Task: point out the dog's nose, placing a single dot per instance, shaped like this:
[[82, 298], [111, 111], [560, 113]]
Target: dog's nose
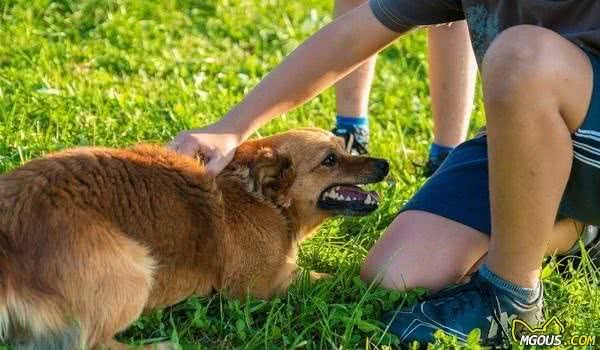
[[383, 166]]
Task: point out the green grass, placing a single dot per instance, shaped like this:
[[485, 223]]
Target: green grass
[[117, 72]]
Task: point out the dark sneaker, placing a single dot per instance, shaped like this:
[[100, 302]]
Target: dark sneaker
[[593, 250], [433, 163], [591, 240], [457, 310], [356, 139]]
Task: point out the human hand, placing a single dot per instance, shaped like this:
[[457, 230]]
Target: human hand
[[216, 145]]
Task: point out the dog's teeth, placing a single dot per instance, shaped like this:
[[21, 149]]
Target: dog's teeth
[[348, 199], [368, 200]]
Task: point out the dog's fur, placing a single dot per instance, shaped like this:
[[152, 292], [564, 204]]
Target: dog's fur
[[90, 238]]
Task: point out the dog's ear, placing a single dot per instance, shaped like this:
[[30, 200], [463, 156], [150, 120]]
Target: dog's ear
[[271, 174], [263, 170]]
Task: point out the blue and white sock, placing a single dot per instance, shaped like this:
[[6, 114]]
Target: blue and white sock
[[360, 123], [518, 293], [357, 121], [436, 150]]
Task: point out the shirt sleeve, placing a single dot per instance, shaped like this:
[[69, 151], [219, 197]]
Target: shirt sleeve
[[401, 15]]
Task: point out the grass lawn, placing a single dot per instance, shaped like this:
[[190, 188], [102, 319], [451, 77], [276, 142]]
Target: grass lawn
[[117, 72]]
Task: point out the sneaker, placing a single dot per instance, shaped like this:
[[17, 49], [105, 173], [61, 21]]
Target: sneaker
[[591, 240], [457, 310], [433, 163], [355, 139], [593, 250]]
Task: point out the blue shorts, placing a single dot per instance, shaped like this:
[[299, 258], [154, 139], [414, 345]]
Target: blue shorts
[[459, 188]]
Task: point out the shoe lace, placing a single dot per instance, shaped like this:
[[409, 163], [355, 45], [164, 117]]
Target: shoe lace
[[349, 135], [502, 339], [457, 294]]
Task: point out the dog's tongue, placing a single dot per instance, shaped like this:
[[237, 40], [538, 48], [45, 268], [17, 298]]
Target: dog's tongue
[[354, 193], [349, 193]]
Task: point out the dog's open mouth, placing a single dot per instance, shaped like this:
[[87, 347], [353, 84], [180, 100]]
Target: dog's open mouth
[[348, 200]]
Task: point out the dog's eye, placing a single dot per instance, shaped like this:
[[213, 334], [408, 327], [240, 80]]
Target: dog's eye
[[330, 160]]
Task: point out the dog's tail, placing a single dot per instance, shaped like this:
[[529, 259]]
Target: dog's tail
[[68, 338], [30, 319], [30, 322]]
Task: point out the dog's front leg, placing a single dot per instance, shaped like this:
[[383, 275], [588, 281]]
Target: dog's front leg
[[282, 280], [264, 285], [270, 284], [316, 276], [292, 272]]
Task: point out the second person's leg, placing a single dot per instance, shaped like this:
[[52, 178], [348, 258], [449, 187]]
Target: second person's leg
[[352, 95], [452, 77]]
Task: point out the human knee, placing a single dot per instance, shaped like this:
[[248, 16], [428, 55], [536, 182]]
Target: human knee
[[386, 272], [380, 268], [386, 276], [370, 270], [518, 60], [379, 274]]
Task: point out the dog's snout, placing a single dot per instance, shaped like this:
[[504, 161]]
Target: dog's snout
[[382, 166]]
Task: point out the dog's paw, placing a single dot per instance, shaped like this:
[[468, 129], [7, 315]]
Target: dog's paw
[[164, 346], [317, 276]]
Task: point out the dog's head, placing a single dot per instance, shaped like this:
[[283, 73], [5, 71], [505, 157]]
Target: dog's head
[[309, 171]]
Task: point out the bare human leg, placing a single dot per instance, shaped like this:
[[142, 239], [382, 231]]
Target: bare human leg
[[352, 92], [537, 88], [452, 76], [421, 249]]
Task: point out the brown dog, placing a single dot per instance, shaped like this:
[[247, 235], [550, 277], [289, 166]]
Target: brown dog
[[89, 238]]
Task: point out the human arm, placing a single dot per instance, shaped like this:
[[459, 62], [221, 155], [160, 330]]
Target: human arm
[[319, 62], [326, 57]]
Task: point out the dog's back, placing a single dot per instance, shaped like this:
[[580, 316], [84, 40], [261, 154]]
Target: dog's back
[[89, 216]]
